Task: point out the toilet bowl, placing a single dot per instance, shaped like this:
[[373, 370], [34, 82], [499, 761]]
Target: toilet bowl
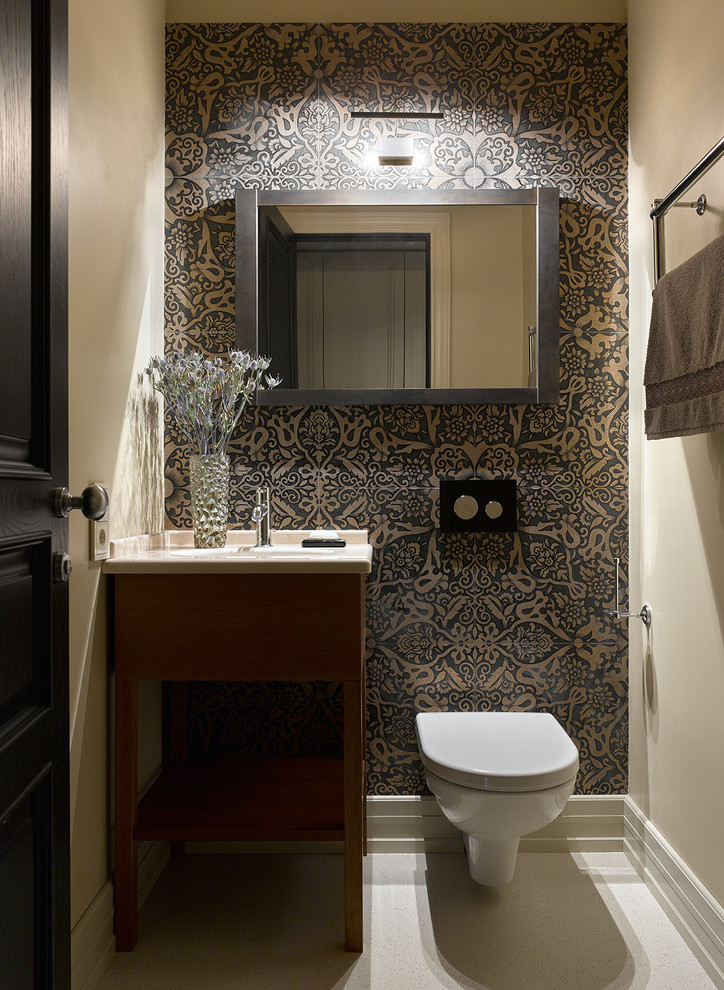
[[497, 776]]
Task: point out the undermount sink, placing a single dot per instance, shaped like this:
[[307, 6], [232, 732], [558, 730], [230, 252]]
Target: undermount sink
[[292, 551], [287, 551]]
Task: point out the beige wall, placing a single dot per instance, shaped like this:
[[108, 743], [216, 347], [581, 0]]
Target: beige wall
[[677, 521], [383, 12], [488, 319], [115, 284]]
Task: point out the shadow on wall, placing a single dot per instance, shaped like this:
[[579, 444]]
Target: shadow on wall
[[651, 687], [138, 492], [550, 928]]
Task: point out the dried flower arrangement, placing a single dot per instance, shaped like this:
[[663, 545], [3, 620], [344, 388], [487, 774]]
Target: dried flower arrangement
[[207, 395]]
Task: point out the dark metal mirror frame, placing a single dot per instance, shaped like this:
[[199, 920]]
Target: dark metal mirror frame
[[247, 291]]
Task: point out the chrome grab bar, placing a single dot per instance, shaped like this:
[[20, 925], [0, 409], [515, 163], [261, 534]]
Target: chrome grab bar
[[618, 613]]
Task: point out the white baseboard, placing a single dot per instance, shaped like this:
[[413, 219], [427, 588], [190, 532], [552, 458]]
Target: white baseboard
[[695, 913], [92, 942], [413, 824], [416, 824]]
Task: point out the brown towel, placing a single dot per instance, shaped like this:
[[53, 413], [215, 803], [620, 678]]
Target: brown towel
[[684, 373]]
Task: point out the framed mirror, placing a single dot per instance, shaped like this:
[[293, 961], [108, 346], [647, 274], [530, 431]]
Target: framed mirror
[[402, 296]]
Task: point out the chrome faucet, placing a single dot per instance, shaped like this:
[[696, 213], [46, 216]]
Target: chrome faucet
[[261, 516]]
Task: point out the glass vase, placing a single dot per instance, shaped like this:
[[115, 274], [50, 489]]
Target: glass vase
[[209, 484]]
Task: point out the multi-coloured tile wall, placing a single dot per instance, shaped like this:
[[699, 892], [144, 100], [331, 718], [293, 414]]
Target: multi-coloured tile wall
[[471, 622]]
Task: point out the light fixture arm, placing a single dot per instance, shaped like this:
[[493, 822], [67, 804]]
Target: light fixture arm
[[396, 114]]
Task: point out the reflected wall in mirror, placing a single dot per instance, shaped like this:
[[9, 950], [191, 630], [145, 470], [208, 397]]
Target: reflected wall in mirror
[[401, 297]]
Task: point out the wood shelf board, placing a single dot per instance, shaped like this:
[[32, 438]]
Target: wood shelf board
[[245, 798]]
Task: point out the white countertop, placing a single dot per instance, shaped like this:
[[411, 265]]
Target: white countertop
[[173, 552]]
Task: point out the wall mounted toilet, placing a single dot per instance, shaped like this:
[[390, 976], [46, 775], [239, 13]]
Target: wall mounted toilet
[[497, 776]]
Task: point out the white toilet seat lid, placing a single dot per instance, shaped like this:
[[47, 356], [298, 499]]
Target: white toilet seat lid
[[497, 751]]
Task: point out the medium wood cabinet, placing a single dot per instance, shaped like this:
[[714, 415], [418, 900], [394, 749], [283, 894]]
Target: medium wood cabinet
[[186, 626]]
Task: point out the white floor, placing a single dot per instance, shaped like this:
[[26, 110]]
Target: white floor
[[567, 922]]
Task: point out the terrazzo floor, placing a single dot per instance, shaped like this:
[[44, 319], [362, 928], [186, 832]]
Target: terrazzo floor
[[274, 922]]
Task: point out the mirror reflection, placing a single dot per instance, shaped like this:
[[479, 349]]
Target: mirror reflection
[[428, 297], [401, 296]]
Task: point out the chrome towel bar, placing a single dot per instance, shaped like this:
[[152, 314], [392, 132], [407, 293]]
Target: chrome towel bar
[[660, 207]]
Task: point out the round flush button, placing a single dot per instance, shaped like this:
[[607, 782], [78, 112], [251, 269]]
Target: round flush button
[[466, 507], [493, 510]]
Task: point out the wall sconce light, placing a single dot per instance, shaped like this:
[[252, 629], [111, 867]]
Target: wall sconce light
[[396, 150]]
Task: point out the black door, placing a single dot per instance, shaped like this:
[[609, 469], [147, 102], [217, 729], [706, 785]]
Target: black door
[[278, 295], [34, 798]]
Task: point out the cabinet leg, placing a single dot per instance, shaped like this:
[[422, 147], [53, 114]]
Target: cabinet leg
[[125, 891], [364, 813], [353, 817]]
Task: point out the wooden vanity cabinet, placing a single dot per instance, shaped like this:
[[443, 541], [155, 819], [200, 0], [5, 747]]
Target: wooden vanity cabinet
[[180, 627]]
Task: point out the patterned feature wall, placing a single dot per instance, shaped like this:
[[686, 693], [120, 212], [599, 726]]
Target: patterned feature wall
[[461, 621]]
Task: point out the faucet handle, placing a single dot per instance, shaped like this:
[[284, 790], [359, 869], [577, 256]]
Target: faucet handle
[[261, 516], [261, 508]]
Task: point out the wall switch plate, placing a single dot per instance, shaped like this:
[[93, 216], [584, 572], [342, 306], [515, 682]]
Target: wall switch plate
[[478, 506], [100, 532]]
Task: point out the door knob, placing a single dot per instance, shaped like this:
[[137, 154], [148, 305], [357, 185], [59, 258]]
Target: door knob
[[93, 502]]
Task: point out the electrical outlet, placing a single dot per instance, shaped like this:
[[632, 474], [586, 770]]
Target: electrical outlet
[[100, 532], [100, 539]]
